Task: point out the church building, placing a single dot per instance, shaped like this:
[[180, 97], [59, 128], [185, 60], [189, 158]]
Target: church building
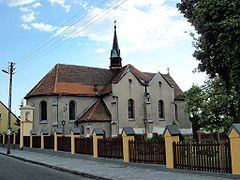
[[72, 96]]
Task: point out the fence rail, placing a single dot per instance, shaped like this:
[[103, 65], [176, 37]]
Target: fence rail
[[84, 145], [64, 143], [110, 148], [213, 157], [36, 141], [152, 152]]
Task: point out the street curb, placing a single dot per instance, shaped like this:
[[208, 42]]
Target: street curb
[[58, 168]]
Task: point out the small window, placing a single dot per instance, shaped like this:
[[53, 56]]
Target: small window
[[161, 109], [0, 116], [82, 130], [43, 111], [129, 81], [131, 108], [27, 116], [160, 84], [72, 110]]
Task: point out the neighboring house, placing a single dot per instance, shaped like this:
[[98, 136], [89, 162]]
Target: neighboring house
[[88, 97], [4, 119]]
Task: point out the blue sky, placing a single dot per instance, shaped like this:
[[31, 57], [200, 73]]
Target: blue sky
[[37, 34]]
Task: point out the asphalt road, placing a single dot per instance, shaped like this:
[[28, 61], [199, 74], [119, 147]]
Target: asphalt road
[[14, 169]]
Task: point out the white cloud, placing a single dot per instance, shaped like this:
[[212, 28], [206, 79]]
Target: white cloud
[[29, 14], [141, 25], [12, 3], [37, 4], [101, 50], [26, 26], [28, 17], [43, 27], [61, 3]]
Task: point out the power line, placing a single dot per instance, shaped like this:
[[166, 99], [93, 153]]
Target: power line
[[45, 40], [83, 26]]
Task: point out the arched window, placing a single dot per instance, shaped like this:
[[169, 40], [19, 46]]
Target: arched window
[[130, 108], [72, 109], [43, 111], [161, 109], [176, 112]]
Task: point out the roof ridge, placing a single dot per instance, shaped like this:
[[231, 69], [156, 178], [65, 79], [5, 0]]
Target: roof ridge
[[90, 67]]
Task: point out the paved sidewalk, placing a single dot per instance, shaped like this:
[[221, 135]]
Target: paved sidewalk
[[107, 169]]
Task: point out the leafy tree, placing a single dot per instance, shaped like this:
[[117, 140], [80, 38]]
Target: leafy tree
[[217, 23], [209, 106]]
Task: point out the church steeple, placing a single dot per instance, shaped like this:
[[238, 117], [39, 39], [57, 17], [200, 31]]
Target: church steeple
[[116, 60]]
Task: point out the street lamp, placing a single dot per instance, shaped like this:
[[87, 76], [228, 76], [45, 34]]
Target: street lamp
[[63, 124]]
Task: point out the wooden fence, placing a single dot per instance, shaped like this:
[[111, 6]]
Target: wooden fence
[[36, 141], [26, 141], [213, 157], [49, 142], [84, 145], [17, 139], [152, 152], [64, 143], [110, 148]]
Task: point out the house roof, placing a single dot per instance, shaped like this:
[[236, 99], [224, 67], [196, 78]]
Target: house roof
[[89, 81], [7, 109], [97, 112], [72, 80]]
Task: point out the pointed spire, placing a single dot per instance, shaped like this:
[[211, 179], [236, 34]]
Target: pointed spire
[[116, 60]]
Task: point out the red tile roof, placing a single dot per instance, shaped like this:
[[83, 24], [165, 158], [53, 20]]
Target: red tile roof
[[89, 81], [97, 112]]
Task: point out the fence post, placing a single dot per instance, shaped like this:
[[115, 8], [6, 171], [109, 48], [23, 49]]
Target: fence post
[[4, 138], [75, 132], [32, 133], [44, 132], [234, 136], [31, 141], [98, 133], [127, 135], [57, 133], [14, 138], [171, 134]]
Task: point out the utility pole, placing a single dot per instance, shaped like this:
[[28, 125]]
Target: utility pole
[[11, 72]]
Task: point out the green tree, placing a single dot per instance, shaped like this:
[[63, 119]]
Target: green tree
[[217, 23], [209, 106]]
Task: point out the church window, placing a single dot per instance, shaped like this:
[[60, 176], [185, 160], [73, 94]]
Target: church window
[[72, 110], [43, 110], [176, 112], [0, 116], [161, 109], [131, 108]]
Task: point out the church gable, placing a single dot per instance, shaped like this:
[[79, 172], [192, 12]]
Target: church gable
[[97, 112]]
